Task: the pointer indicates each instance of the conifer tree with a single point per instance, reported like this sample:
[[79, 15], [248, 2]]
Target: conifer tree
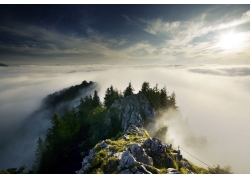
[[172, 101], [38, 153], [111, 95], [164, 98], [145, 87], [96, 100], [129, 90]]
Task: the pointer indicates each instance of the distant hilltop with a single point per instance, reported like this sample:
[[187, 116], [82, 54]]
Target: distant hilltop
[[3, 65]]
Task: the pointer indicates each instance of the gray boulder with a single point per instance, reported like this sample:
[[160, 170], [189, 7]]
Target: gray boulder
[[140, 155], [169, 161], [127, 160], [155, 148], [172, 171]]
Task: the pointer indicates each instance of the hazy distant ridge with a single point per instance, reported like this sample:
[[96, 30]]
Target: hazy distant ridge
[[4, 65]]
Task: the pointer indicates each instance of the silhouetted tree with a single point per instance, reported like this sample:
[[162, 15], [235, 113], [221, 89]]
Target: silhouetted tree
[[110, 96], [96, 100], [38, 154], [145, 87], [172, 102], [129, 90], [163, 98]]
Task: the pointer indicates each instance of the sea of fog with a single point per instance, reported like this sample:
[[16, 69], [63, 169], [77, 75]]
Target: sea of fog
[[214, 99]]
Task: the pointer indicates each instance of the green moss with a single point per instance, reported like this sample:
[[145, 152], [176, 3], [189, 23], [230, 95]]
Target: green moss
[[162, 171], [145, 134], [196, 169], [153, 170], [183, 171], [175, 162], [99, 161], [98, 171], [202, 170]]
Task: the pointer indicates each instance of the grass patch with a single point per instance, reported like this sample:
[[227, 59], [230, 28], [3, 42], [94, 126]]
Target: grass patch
[[98, 162], [162, 171], [196, 169], [183, 171]]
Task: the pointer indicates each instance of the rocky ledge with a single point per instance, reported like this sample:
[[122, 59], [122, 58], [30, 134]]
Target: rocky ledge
[[135, 152]]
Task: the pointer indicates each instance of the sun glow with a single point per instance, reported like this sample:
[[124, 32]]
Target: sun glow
[[230, 41]]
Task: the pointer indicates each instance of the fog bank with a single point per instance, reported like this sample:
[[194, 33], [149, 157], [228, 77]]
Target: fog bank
[[213, 98]]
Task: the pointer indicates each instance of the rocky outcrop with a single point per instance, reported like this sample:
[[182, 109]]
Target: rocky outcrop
[[140, 155], [155, 148], [133, 153], [86, 162], [136, 110]]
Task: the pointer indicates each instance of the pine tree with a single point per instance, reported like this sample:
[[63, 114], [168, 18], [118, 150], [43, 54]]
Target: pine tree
[[145, 87], [96, 100], [172, 102], [129, 90], [38, 153], [164, 98], [111, 95]]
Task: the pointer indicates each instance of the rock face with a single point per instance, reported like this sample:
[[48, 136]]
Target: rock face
[[132, 153], [85, 162], [155, 148], [136, 110], [140, 155]]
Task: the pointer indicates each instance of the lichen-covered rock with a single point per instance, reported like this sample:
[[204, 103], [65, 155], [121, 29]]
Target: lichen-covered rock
[[155, 148], [86, 162], [127, 160], [134, 109], [133, 128], [169, 161], [103, 144], [140, 155]]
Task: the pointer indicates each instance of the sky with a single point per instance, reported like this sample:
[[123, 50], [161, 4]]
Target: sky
[[124, 34]]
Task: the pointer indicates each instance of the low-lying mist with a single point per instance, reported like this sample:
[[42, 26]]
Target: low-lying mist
[[212, 100]]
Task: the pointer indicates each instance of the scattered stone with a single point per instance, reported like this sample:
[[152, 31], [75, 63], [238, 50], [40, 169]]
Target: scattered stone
[[172, 171]]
